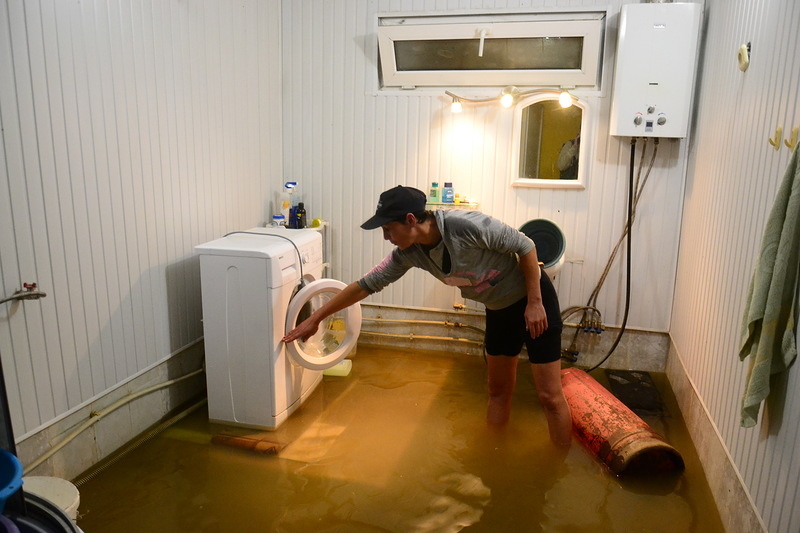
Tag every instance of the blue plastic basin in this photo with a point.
(10, 477)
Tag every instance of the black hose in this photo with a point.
(627, 261)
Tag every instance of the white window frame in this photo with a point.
(590, 26)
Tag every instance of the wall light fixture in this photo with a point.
(508, 97)
(565, 98)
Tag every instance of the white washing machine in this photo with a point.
(250, 283)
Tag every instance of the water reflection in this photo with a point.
(400, 445)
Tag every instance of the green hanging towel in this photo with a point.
(768, 329)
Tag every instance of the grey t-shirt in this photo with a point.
(483, 259)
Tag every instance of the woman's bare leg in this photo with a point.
(547, 378)
(502, 379)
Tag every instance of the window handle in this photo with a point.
(480, 46)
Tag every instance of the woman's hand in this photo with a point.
(302, 331)
(535, 315)
(535, 318)
(351, 294)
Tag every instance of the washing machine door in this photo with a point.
(337, 334)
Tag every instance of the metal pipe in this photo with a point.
(96, 416)
(141, 439)
(428, 322)
(411, 336)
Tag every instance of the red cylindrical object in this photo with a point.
(614, 433)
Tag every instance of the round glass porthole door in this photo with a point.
(337, 334)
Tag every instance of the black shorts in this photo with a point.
(506, 330)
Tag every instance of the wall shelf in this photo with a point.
(460, 205)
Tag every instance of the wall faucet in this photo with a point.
(27, 292)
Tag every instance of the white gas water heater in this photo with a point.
(656, 62)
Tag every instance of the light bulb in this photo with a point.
(455, 107)
(507, 98)
(565, 99)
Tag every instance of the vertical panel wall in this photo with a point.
(346, 141)
(733, 178)
(132, 131)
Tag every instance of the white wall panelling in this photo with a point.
(134, 130)
(348, 141)
(733, 177)
(131, 132)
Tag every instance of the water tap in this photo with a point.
(29, 291)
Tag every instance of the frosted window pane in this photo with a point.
(533, 53)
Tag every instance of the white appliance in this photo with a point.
(250, 283)
(654, 75)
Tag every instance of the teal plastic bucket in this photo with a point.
(548, 238)
(10, 477)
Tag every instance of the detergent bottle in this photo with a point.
(300, 216)
(283, 202)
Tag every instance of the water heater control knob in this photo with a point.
(651, 109)
(637, 119)
(661, 120)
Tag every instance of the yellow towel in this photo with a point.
(768, 328)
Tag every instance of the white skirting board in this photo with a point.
(736, 507)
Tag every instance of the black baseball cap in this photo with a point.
(394, 204)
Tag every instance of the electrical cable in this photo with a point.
(296, 249)
(640, 183)
(628, 259)
(96, 416)
(594, 320)
(118, 454)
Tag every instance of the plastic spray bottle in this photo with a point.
(294, 193)
(283, 203)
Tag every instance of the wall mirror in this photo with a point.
(550, 143)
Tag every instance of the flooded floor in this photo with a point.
(399, 445)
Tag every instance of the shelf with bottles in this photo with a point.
(455, 205)
(447, 197)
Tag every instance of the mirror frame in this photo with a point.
(584, 156)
